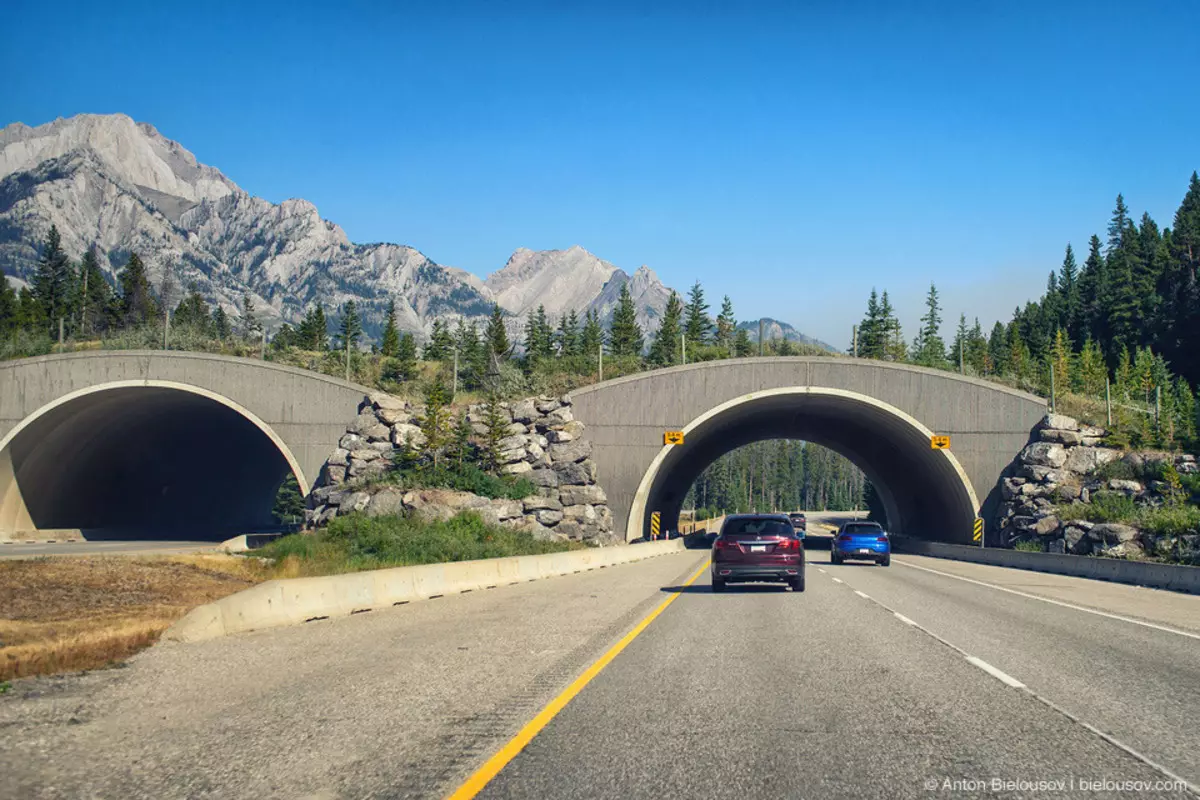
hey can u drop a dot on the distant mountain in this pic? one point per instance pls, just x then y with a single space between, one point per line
773 329
119 185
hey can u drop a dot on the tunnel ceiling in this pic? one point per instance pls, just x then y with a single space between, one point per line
923 492
147 461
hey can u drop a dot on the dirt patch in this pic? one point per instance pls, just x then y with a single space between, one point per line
66 614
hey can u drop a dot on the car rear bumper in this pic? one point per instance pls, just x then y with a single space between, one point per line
872 552
733 573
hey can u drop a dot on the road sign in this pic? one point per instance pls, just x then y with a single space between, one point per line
673 437
940 442
655 523
977 536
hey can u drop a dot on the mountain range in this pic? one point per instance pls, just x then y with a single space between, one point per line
120 186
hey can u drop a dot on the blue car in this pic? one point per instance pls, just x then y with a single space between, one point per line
866 541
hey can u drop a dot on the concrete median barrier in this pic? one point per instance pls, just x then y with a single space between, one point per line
289 602
1174 577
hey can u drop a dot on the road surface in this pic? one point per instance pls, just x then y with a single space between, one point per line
19 550
928 678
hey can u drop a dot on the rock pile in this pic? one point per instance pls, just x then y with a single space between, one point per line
1059 470
544 444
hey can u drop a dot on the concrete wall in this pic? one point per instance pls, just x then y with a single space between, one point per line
71 401
988 424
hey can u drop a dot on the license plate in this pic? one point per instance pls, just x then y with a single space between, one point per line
864 551
758 548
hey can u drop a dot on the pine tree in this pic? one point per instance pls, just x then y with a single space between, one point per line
406 357
1094 294
872 338
726 325
624 333
742 346
1061 356
251 327
8 308
929 349
1019 358
665 349
894 346
137 301
1179 286
567 338
1185 413
460 441
592 337
958 350
440 346
1068 287
997 349
193 312
350 328
220 323
53 282
698 325
1091 373
1123 376
389 345
497 335
95 295
435 424
495 422
539 336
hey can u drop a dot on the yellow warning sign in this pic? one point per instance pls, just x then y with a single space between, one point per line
655 522
978 534
673 437
940 442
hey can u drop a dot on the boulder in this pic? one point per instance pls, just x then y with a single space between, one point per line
1130 549
560 416
322 515
1059 422
1067 493
393 416
1044 454
386 503
1035 473
355 501
546 404
574 427
1128 487
519 468
1076 541
537 502
1160 487
524 411
559 437
383 400
1114 533
382 447
378 433
570 529
339 458
511 442
364 454
570 451
515 429
1057 546
546 478
512 456
1086 460
443 503
407 435
1023 522
1010 488
580 513
548 516
1064 437
541 532
507 509
581 495
1045 526
366 469
579 474
534 452
350 442
334 474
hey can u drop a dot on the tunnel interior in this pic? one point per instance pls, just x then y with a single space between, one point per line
921 489
147 463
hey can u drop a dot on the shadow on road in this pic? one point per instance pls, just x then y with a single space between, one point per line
731 588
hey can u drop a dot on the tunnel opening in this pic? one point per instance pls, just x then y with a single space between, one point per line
142 462
923 492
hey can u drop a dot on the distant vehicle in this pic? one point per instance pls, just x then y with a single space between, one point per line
799 521
758 547
866 541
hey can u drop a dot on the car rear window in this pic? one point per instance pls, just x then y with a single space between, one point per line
863 527
757 527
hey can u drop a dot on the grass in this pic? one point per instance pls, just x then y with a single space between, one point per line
69 614
356 542
1167 520
467 477
1029 546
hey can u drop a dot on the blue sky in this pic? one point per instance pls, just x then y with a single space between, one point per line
792 156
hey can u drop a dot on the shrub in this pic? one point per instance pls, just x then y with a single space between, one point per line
466 477
1029 546
1170 520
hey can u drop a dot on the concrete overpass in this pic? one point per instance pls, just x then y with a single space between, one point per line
878 414
165 442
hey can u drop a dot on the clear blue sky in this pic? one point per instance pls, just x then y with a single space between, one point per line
792 157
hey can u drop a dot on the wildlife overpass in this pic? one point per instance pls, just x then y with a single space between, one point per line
882 416
159 443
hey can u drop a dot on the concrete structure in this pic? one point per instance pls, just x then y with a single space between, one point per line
159 443
879 415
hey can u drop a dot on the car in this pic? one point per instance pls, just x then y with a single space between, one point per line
861 541
757 548
799 521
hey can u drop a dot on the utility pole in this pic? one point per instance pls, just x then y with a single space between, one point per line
1108 400
454 391
347 344
1053 408
1157 405
167 328
83 304
854 338
262 353
61 337
962 364
683 347
600 362
761 342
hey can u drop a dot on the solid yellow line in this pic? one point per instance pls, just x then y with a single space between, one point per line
491 769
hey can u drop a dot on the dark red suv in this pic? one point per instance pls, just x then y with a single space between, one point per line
758 547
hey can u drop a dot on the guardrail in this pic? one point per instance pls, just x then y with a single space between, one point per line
288 602
1174 577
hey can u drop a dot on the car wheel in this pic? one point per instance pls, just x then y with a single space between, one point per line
797 584
886 561
718 585
835 559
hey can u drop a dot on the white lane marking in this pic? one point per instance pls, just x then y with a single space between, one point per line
1003 677
905 619
860 594
837 580
1055 602
820 570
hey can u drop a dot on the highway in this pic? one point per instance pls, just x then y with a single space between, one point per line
928 678
22 550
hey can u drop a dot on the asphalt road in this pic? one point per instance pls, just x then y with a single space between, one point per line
755 693
20 550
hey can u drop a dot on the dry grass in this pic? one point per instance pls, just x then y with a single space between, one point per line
67 614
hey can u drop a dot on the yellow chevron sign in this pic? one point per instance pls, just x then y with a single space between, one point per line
655 524
673 437
940 442
978 534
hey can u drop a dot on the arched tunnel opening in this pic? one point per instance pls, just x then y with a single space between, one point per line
923 491
142 462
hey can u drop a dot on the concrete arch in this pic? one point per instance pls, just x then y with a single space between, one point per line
49 456
765 414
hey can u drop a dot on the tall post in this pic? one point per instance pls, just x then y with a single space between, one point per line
761 342
454 391
347 343
61 337
262 351
962 362
600 361
1157 406
83 303
1053 407
683 347
1108 400
166 329
854 339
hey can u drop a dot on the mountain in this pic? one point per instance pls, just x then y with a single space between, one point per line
774 329
121 186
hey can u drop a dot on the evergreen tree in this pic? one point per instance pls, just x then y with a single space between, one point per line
539 336
435 423
698 325
894 346
567 338
220 323
872 338
1061 357
1123 376
497 335
665 349
495 422
998 357
137 301
53 282
958 350
1179 286
742 346
441 343
460 441
472 355
1185 413
624 333
592 337
389 345
313 331
1068 287
8 308
95 295
929 349
193 312
350 328
1091 372
1020 361
406 358
977 348
726 325
251 327
1094 293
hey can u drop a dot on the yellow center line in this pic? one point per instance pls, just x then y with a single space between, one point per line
492 767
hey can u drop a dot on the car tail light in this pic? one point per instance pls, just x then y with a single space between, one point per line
845 537
726 544
881 538
789 544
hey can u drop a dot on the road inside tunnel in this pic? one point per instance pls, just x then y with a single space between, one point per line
924 491
142 462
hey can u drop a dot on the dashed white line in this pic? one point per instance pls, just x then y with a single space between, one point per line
820 570
1054 602
837 580
860 594
999 675
905 619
